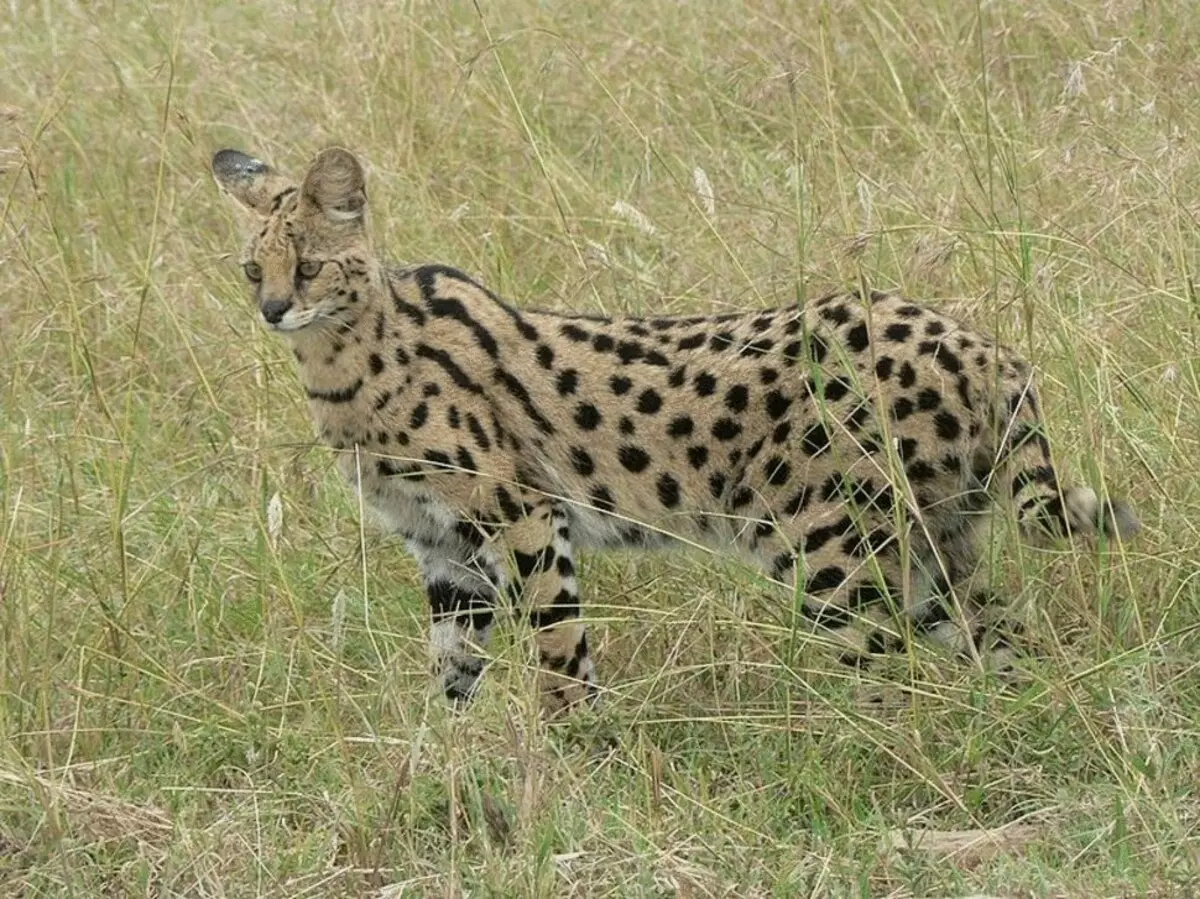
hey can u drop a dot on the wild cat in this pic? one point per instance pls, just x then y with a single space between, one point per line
846 445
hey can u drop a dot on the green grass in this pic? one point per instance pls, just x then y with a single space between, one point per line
197 701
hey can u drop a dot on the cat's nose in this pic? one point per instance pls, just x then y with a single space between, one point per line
274 310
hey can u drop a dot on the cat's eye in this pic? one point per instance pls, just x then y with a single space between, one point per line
309 268
253 271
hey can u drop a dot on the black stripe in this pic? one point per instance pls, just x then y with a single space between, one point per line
1042 474
449 307
345 395
514 386
528 331
280 197
416 313
452 368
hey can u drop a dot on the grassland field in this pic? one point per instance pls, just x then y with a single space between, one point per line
213 675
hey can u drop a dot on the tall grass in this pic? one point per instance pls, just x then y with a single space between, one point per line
213 677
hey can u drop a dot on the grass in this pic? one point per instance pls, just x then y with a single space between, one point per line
213 678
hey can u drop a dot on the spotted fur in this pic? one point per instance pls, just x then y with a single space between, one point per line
844 446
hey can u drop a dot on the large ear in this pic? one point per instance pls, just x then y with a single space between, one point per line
336 186
250 181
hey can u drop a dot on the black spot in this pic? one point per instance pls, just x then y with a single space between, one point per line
656 358
898 332
883 367
529 564
928 399
828 578
437 457
777 471
909 311
430 389
568 381
815 440
942 355
782 565
668 491
755 447
678 376
741 498
680 426
634 458
602 343
920 470
908 375
691 342
387 469
465 460
697 456
564 566
587 416
838 314
722 340
1041 474
768 375
630 351
781 433
545 356
581 461
716 484
836 388
906 448
798 502
934 328
818 537
818 348
575 333
947 426
706 384
858 338
625 425
453 418
726 429
477 431
833 617
737 398
602 499
649 402
778 404
419 416
376 363
902 408
619 384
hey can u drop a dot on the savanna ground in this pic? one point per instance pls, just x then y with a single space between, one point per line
213 680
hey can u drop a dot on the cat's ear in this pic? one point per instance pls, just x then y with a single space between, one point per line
253 183
336 186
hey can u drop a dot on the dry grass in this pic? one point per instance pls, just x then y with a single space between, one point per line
197 700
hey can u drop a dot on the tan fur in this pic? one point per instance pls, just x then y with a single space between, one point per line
846 446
